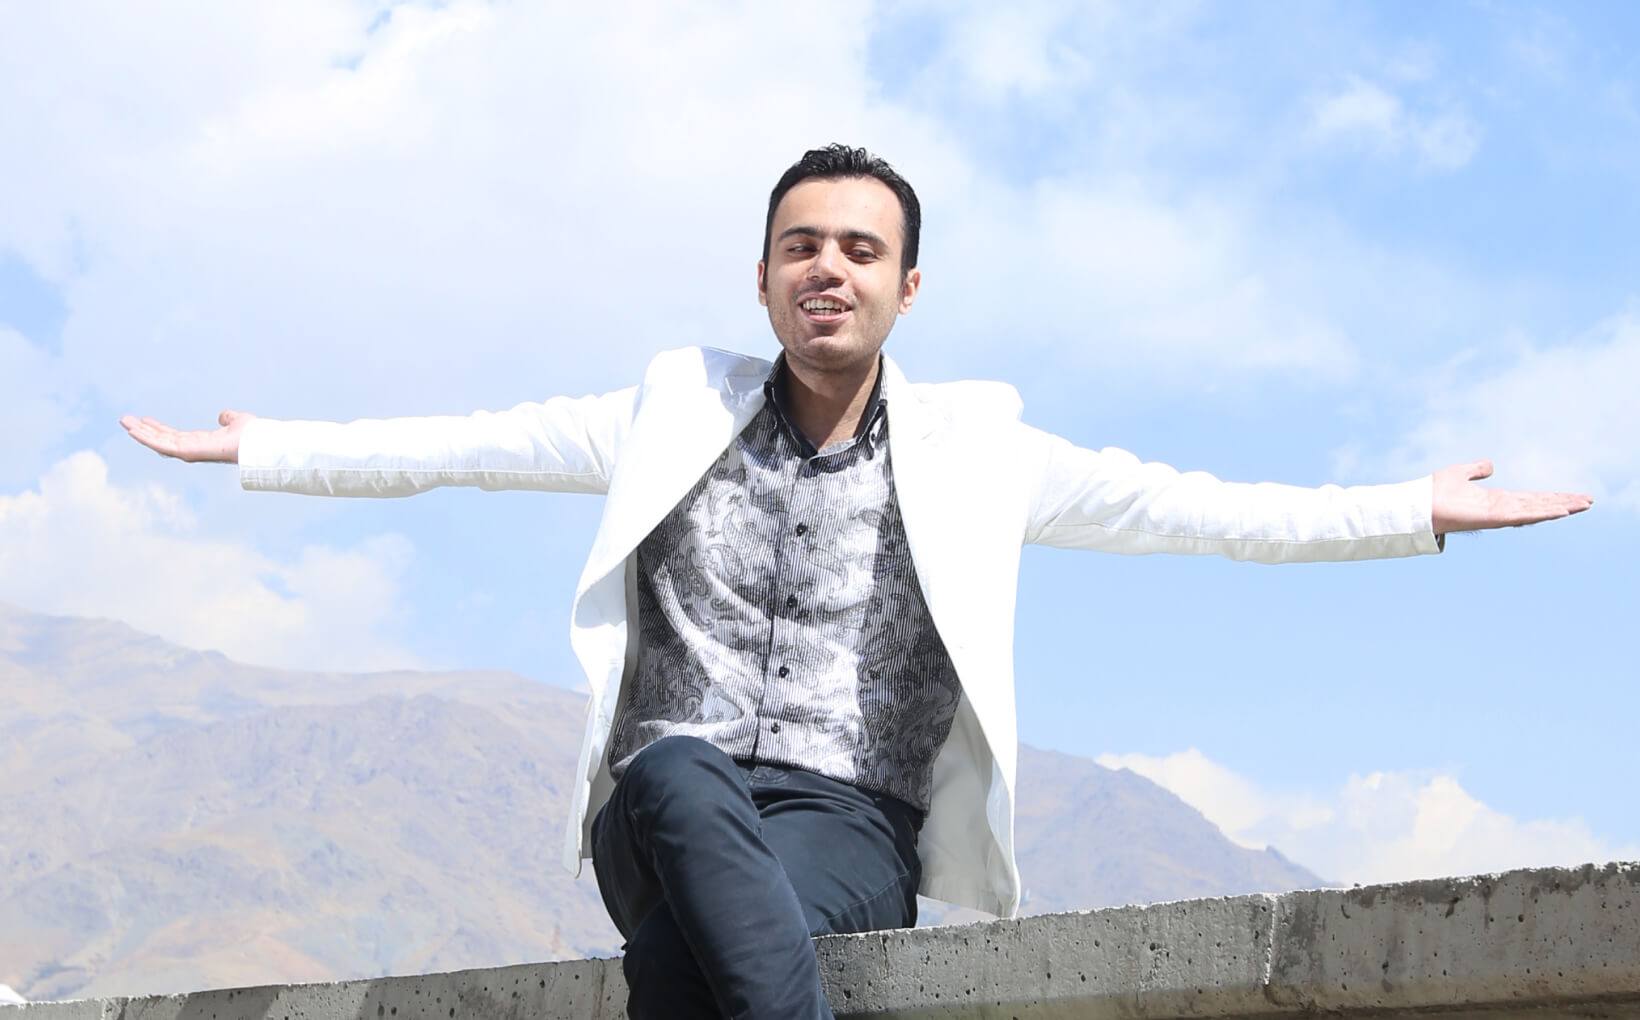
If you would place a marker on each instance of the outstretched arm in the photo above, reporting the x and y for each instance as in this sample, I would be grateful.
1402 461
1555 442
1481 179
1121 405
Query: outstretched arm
558 445
216 445
1458 504
1108 500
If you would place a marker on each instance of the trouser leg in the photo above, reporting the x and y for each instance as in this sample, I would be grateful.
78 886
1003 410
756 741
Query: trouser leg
663 978
705 905
851 855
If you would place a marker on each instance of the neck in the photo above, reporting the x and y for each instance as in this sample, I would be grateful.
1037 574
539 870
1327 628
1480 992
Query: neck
827 406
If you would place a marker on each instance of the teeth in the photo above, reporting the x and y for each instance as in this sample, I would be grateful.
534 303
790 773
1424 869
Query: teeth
822 305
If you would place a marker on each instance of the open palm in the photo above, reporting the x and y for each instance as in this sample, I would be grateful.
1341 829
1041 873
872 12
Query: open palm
1461 505
220 445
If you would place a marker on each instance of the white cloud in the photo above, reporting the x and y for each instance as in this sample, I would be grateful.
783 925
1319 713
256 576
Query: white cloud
35 407
82 545
1016 51
337 210
306 219
1366 115
1231 802
1542 42
1446 142
1414 60
1109 264
1383 827
1556 418
1361 108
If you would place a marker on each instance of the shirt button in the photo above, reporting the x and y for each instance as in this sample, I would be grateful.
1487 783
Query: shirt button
774 727
783 671
801 529
791 601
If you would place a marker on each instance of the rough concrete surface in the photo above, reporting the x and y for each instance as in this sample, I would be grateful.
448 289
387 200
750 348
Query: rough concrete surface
1543 943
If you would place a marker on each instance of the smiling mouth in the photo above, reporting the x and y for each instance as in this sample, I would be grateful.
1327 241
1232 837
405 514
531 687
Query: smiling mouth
822 309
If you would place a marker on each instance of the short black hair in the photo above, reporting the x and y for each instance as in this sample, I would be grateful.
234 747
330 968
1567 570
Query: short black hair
837 160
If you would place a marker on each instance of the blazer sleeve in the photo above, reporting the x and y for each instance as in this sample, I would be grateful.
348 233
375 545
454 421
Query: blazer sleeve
559 445
1109 500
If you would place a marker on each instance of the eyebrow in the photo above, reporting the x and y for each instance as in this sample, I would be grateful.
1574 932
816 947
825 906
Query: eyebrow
847 235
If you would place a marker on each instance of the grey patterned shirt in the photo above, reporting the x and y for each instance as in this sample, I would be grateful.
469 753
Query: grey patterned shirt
780 617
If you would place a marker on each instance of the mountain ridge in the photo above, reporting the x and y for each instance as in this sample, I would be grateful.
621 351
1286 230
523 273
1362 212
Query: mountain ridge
173 820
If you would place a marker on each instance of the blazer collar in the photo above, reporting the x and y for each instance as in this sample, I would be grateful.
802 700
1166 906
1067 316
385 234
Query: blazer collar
677 440
913 417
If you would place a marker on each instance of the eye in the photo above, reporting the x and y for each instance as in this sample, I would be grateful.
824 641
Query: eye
863 254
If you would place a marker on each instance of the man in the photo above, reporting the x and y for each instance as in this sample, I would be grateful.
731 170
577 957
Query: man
796 616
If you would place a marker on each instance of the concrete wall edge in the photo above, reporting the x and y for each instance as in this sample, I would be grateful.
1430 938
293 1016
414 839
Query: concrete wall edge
1562 940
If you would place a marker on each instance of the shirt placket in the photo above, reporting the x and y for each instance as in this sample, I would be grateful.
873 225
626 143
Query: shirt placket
791 614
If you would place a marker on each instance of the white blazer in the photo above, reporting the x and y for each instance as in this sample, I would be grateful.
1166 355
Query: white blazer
974 484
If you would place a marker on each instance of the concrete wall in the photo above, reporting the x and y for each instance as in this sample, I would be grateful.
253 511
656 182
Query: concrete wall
1544 943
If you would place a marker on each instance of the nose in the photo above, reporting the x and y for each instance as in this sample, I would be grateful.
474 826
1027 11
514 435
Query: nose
827 265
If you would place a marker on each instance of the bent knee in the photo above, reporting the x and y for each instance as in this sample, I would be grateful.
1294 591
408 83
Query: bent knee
677 759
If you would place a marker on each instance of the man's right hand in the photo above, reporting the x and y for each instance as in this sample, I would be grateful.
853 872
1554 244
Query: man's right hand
219 445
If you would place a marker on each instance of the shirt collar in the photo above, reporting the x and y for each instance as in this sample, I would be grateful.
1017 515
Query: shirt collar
874 422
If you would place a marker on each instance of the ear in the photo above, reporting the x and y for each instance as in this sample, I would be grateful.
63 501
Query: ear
908 289
762 290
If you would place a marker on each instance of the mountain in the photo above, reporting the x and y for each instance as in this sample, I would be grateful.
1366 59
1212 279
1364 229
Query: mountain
173 820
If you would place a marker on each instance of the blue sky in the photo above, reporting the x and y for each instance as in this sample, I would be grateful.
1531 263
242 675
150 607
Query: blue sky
1306 243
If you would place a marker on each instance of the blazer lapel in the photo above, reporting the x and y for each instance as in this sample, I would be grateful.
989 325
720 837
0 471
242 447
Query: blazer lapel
677 434
938 498
923 483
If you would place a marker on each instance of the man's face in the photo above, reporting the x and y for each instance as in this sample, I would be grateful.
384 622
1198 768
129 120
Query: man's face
832 279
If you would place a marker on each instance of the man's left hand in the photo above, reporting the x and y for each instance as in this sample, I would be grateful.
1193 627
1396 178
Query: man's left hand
1461 505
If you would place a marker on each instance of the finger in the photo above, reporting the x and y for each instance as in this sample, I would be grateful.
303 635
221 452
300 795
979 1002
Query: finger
157 442
227 417
156 434
1531 507
1574 502
158 426
1480 469
140 428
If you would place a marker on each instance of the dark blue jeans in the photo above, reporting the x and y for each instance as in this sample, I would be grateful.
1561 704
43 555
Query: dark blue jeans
718 874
